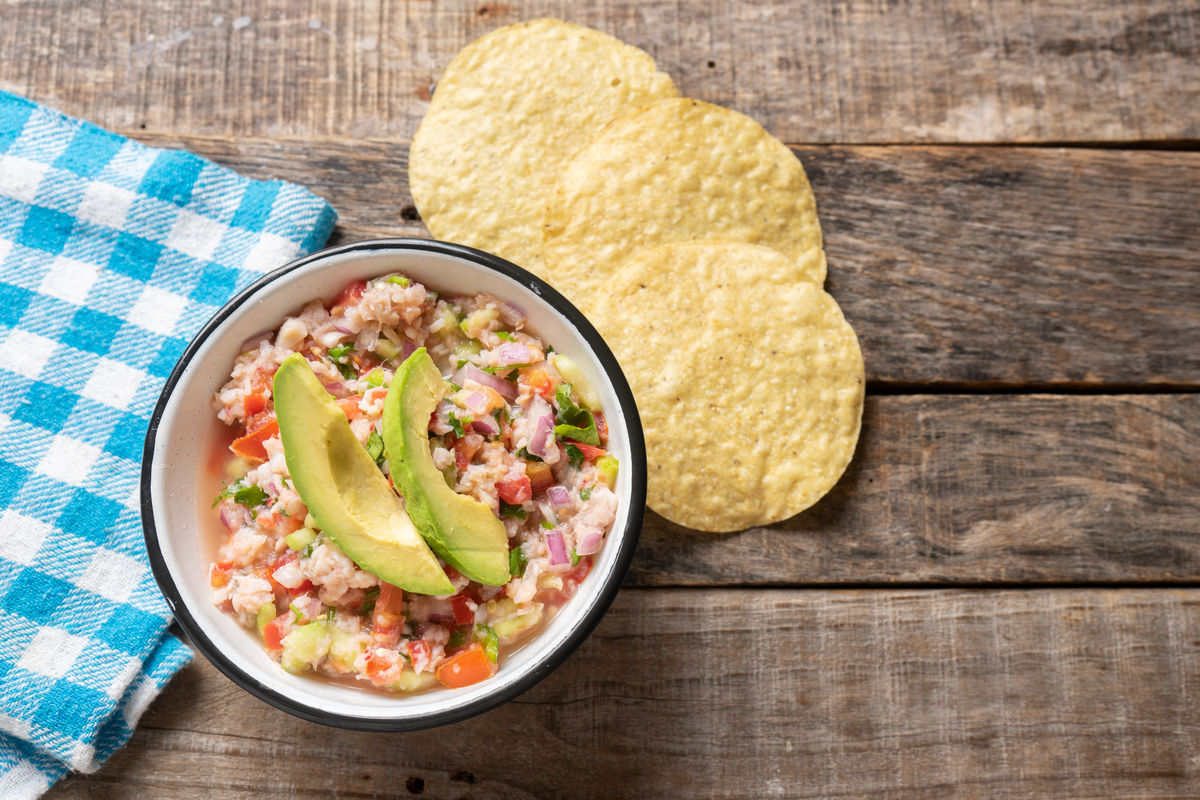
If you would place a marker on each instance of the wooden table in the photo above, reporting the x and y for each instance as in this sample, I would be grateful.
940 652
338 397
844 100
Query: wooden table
1002 595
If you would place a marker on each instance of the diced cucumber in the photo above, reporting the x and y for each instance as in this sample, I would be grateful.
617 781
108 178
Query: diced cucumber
584 394
306 644
607 465
412 682
345 649
265 616
468 348
478 320
385 348
514 626
301 538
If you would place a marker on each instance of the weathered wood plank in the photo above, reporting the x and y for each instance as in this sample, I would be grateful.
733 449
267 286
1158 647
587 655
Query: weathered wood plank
977 489
830 71
727 693
961 266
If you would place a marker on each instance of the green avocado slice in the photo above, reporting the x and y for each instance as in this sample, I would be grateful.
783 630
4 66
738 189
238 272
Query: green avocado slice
460 529
344 490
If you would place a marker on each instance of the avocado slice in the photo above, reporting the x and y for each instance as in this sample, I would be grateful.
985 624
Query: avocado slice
345 492
460 529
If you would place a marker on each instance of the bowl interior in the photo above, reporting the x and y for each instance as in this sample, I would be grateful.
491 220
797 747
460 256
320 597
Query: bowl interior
188 433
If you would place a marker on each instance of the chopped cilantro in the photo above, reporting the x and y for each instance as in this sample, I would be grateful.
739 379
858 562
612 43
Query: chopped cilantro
330 614
575 455
399 280
299 614
512 376
524 453
574 558
505 336
224 494
574 422
309 550
250 497
516 562
586 493
549 349
490 641
348 372
369 600
459 424
510 510
458 638
548 525
375 446
341 351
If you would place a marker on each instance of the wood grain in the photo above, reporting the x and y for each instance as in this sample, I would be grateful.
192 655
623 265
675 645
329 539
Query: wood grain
993 489
960 267
828 71
727 693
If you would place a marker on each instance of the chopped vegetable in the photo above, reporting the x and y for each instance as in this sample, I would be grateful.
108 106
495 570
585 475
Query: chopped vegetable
466 668
514 489
516 562
607 466
301 538
574 559
576 423
251 445
490 641
458 639
386 349
250 497
586 493
575 455
375 446
512 510
375 378
399 280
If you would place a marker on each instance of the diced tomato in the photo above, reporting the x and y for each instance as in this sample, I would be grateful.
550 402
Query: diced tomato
454 575
305 586
380 661
601 427
464 452
590 452
515 489
540 381
254 403
466 668
350 295
451 441
350 408
273 633
251 445
421 654
219 574
463 613
267 520
388 618
540 476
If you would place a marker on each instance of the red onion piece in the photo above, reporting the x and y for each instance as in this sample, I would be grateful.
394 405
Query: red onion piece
559 497
476 403
588 541
435 619
511 353
230 518
486 425
502 387
543 433
407 350
272 489
344 329
558 550
512 314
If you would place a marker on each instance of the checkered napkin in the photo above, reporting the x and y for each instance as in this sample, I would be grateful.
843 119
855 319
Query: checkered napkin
112 255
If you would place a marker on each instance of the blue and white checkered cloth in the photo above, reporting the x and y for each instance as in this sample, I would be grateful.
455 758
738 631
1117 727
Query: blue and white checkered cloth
112 255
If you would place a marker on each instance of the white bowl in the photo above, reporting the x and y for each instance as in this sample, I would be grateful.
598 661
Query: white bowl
184 428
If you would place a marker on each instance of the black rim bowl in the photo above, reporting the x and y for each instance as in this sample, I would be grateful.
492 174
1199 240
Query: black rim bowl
626 546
